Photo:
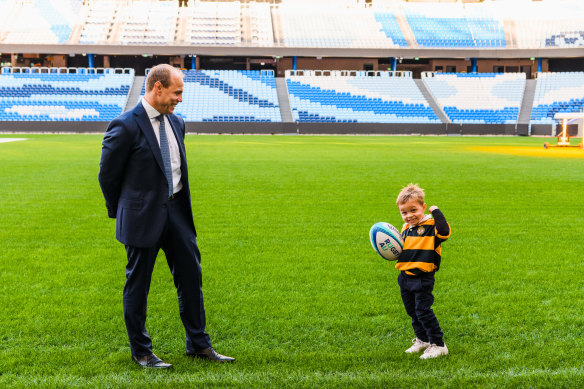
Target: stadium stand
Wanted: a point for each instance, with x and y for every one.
(357, 97)
(557, 92)
(300, 27)
(478, 97)
(337, 27)
(451, 25)
(100, 19)
(214, 23)
(296, 23)
(546, 24)
(260, 18)
(40, 21)
(390, 27)
(229, 96)
(63, 94)
(149, 23)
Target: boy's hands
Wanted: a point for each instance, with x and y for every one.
(432, 208)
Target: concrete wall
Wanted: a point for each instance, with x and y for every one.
(296, 128)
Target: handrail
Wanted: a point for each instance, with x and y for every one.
(63, 70)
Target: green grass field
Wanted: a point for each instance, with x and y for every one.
(292, 287)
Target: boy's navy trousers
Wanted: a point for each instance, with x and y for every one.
(416, 293)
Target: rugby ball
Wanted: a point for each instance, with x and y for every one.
(386, 240)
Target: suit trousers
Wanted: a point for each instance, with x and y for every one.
(179, 243)
(416, 293)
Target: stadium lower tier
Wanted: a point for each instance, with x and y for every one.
(252, 96)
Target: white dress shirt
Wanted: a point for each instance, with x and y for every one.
(172, 143)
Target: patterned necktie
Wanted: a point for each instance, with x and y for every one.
(165, 150)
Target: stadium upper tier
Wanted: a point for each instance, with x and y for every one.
(76, 94)
(450, 25)
(478, 98)
(294, 23)
(356, 97)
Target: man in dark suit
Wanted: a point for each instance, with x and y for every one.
(144, 179)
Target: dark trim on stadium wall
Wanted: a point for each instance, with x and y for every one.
(53, 127)
(298, 128)
(543, 129)
(248, 51)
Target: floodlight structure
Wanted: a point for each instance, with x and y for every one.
(563, 137)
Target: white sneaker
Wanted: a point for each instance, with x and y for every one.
(417, 346)
(434, 351)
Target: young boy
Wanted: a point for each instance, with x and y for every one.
(418, 262)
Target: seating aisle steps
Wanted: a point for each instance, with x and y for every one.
(431, 101)
(527, 103)
(135, 92)
(283, 100)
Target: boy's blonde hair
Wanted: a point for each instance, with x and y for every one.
(411, 192)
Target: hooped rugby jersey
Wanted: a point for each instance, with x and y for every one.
(422, 252)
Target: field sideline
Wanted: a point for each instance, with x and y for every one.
(292, 287)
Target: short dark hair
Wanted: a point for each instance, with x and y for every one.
(162, 73)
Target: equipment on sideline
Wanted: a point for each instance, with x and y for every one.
(563, 137)
(386, 240)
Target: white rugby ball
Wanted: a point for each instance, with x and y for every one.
(386, 240)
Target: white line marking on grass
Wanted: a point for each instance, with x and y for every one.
(4, 140)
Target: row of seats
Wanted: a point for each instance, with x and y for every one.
(230, 95)
(146, 23)
(450, 25)
(497, 24)
(357, 99)
(557, 92)
(214, 23)
(40, 22)
(478, 98)
(337, 27)
(62, 96)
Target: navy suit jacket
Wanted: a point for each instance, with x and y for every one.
(132, 179)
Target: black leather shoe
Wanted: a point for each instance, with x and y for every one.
(151, 361)
(210, 354)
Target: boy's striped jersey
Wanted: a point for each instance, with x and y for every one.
(422, 252)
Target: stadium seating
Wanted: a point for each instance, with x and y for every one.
(390, 27)
(478, 97)
(357, 97)
(296, 23)
(547, 24)
(557, 92)
(214, 23)
(229, 96)
(59, 94)
(149, 23)
(40, 21)
(100, 18)
(260, 16)
(450, 25)
(337, 27)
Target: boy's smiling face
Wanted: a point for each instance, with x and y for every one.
(412, 212)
